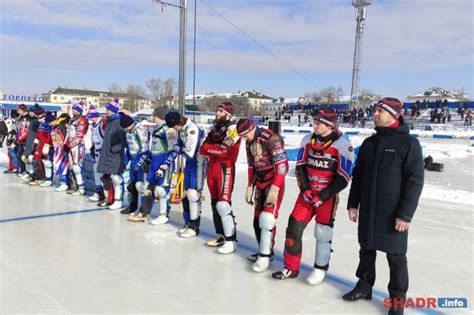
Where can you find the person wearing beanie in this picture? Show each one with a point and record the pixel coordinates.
(9, 134)
(386, 186)
(97, 125)
(111, 159)
(221, 147)
(323, 169)
(112, 108)
(21, 122)
(138, 139)
(75, 146)
(60, 157)
(189, 141)
(163, 141)
(33, 124)
(43, 153)
(267, 168)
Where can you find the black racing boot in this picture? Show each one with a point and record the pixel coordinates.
(285, 274)
(362, 290)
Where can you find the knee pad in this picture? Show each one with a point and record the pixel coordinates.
(266, 221)
(45, 150)
(47, 164)
(323, 233)
(76, 169)
(30, 159)
(160, 192)
(224, 208)
(147, 190)
(140, 187)
(116, 179)
(193, 195)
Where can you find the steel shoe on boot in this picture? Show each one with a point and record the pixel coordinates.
(316, 276)
(161, 219)
(128, 210)
(262, 263)
(79, 192)
(285, 274)
(46, 183)
(253, 257)
(116, 205)
(217, 241)
(62, 187)
(189, 232)
(181, 230)
(228, 247)
(361, 291)
(140, 217)
(95, 197)
(104, 204)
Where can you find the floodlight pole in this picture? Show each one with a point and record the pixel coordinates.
(182, 49)
(182, 55)
(360, 6)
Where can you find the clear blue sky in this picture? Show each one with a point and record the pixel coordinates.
(409, 45)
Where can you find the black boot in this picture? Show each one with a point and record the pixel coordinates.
(133, 197)
(362, 290)
(285, 274)
(395, 311)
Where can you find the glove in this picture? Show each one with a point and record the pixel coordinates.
(161, 171)
(272, 195)
(316, 201)
(249, 195)
(308, 196)
(146, 165)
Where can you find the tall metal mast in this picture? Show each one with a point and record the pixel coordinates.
(182, 55)
(360, 6)
(182, 49)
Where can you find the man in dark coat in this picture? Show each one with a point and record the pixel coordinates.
(111, 160)
(386, 186)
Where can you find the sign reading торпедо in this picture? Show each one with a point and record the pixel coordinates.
(22, 98)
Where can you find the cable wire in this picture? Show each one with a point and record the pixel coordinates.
(260, 45)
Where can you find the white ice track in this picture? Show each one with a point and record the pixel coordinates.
(55, 260)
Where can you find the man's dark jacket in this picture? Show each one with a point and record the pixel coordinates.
(111, 159)
(387, 183)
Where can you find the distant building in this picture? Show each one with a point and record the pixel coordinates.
(435, 94)
(253, 98)
(90, 97)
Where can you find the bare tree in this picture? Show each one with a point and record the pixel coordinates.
(115, 88)
(163, 92)
(312, 97)
(241, 104)
(367, 97)
(135, 94)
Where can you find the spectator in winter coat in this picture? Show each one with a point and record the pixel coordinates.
(386, 186)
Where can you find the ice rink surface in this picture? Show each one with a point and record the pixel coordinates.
(60, 254)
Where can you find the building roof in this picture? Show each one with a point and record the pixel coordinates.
(67, 91)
